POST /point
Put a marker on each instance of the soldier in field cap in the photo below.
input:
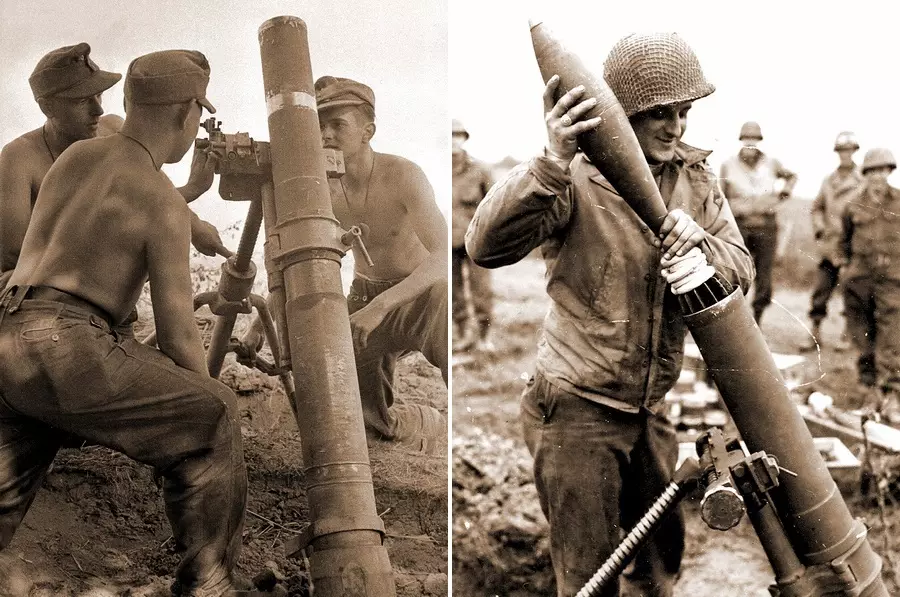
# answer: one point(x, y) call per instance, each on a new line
point(76, 375)
point(68, 87)
point(399, 304)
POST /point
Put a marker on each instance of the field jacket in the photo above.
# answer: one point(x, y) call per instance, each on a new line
point(870, 236)
point(614, 333)
point(828, 209)
point(471, 182)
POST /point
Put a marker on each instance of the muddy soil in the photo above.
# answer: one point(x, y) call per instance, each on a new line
point(97, 528)
point(485, 401)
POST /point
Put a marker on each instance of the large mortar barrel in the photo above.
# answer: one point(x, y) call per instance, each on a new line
point(814, 514)
point(345, 535)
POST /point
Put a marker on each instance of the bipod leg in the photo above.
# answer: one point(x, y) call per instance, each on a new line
point(265, 317)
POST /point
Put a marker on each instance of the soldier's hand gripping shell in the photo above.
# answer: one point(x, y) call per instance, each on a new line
point(688, 271)
point(564, 120)
point(678, 234)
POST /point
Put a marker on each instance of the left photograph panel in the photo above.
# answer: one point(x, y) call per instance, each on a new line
point(224, 299)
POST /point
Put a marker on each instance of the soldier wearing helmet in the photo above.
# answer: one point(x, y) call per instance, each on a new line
point(871, 278)
point(471, 181)
point(750, 181)
point(611, 344)
point(827, 210)
point(68, 86)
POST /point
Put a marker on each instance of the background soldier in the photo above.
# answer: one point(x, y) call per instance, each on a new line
point(871, 226)
point(471, 182)
point(749, 181)
point(827, 211)
point(611, 344)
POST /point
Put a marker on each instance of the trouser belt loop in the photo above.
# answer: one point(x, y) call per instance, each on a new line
point(19, 293)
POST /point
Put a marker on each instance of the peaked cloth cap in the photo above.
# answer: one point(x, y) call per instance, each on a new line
point(168, 77)
point(69, 72)
point(334, 92)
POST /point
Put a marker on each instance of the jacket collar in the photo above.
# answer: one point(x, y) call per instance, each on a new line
point(685, 156)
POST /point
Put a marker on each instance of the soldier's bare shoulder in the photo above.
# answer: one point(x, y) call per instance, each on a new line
point(403, 175)
point(24, 146)
point(396, 165)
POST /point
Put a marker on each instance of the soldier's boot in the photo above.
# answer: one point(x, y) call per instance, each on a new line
point(814, 342)
point(843, 343)
point(464, 337)
point(484, 343)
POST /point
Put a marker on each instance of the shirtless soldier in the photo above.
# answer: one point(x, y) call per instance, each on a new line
point(68, 87)
point(400, 303)
point(106, 221)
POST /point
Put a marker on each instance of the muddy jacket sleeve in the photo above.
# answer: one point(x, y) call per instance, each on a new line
point(521, 211)
point(725, 247)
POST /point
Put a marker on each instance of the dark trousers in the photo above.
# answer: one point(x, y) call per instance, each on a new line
point(419, 325)
point(872, 311)
point(64, 371)
point(479, 291)
point(761, 240)
point(826, 281)
point(597, 470)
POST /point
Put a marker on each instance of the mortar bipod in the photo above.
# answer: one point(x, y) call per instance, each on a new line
point(244, 170)
point(735, 482)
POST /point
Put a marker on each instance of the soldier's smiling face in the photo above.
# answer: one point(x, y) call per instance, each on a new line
point(660, 129)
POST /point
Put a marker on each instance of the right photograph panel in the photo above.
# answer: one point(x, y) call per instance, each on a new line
point(675, 301)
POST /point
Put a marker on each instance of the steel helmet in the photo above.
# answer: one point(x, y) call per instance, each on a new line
point(650, 70)
point(846, 140)
point(459, 129)
point(750, 130)
point(877, 158)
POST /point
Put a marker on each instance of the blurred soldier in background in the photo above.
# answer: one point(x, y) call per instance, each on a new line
point(749, 181)
point(611, 344)
point(471, 182)
point(827, 210)
point(871, 278)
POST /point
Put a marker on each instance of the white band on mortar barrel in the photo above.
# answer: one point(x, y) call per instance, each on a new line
point(291, 98)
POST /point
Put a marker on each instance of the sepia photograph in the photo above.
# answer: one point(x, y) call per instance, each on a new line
point(674, 241)
point(224, 299)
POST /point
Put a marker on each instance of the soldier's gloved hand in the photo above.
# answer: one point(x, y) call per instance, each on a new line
point(564, 121)
point(686, 272)
point(679, 234)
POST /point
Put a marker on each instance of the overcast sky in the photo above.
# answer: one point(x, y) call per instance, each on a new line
point(804, 70)
point(398, 47)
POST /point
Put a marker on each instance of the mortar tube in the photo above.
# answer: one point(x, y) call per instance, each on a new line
point(345, 534)
point(814, 515)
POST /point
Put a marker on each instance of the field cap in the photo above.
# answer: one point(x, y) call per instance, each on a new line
point(334, 92)
point(168, 77)
point(69, 72)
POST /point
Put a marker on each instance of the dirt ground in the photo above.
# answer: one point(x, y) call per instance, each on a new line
point(97, 528)
point(486, 391)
